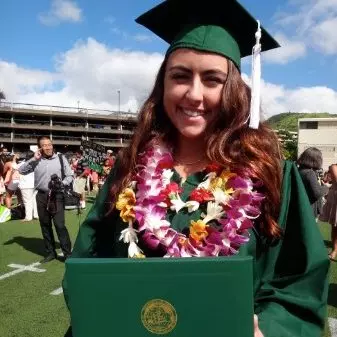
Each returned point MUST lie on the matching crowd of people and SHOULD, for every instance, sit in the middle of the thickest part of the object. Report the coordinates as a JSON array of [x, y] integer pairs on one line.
[[15, 185], [39, 181], [87, 179]]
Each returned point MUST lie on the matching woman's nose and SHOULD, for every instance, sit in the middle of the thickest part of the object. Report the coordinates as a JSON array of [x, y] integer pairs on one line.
[[195, 91]]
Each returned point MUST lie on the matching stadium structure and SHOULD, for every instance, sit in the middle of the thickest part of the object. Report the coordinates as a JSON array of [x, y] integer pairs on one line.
[[21, 124]]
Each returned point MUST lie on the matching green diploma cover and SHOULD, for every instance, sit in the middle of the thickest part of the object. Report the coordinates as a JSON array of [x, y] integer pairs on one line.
[[186, 297]]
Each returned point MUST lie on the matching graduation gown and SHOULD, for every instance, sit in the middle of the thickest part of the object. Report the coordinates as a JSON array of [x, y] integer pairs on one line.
[[290, 276]]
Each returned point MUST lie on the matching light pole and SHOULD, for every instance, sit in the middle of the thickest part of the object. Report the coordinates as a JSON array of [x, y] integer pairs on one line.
[[78, 106], [119, 111], [119, 101]]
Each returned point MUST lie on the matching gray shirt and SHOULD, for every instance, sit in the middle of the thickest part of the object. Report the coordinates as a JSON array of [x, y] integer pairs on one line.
[[44, 168]]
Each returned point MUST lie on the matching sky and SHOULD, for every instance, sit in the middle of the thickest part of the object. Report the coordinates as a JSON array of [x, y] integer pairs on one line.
[[92, 53]]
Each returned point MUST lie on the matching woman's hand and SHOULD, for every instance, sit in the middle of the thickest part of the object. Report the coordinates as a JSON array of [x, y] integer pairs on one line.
[[257, 331]]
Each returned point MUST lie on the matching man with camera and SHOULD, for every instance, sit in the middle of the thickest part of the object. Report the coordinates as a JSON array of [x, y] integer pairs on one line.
[[50, 184]]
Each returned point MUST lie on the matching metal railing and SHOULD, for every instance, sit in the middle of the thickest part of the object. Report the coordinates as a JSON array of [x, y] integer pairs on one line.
[[24, 136], [55, 108], [60, 126]]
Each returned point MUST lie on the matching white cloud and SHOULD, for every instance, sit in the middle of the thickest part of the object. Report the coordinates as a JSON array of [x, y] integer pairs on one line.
[[61, 10], [92, 74], [314, 99], [314, 21], [92, 70], [277, 99], [16, 81], [324, 36], [290, 50]]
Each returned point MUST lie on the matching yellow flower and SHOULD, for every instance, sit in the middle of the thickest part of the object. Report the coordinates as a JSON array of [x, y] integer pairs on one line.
[[216, 183], [198, 230], [226, 175], [221, 181], [229, 191], [125, 203], [139, 256]]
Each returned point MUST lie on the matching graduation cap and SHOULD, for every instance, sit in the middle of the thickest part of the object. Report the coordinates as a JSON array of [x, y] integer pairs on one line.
[[220, 26]]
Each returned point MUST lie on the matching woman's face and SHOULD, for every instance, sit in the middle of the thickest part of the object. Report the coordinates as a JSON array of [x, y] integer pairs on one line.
[[193, 87]]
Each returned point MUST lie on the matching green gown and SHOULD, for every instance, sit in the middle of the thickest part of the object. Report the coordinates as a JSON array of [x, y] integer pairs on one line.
[[290, 276]]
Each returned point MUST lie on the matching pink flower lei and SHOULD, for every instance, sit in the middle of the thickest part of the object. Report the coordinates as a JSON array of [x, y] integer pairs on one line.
[[230, 202]]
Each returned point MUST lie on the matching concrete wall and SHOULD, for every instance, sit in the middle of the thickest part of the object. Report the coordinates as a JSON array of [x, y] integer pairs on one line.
[[324, 138]]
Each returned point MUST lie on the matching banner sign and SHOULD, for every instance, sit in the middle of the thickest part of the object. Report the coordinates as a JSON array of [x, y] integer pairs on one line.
[[94, 154]]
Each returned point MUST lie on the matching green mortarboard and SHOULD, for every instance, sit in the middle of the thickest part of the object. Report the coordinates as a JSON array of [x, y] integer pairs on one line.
[[220, 26]]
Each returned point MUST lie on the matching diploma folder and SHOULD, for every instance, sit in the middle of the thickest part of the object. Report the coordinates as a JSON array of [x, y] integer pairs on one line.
[[185, 297]]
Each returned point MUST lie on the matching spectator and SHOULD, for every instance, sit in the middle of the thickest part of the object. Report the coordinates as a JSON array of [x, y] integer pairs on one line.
[[49, 198], [82, 171], [106, 168], [110, 157], [95, 181], [11, 179], [26, 185], [2, 184], [326, 180], [329, 213], [310, 162]]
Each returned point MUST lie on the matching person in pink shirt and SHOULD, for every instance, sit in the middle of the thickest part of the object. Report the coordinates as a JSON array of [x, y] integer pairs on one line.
[[11, 180]]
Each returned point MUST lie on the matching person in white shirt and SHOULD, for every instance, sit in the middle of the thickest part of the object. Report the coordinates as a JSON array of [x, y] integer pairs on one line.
[[26, 185]]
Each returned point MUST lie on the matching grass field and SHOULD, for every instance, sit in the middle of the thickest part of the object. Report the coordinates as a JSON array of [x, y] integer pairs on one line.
[[27, 307]]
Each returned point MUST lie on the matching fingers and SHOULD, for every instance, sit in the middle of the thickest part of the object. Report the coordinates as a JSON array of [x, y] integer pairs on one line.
[[257, 331], [37, 154], [256, 322]]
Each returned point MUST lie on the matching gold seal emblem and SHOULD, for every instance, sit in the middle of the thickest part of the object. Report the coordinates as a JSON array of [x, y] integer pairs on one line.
[[159, 316]]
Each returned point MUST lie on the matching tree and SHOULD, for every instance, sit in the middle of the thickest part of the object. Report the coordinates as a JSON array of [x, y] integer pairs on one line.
[[289, 144], [2, 95]]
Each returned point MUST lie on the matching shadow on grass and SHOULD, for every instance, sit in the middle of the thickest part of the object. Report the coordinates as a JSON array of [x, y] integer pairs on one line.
[[332, 297], [34, 245]]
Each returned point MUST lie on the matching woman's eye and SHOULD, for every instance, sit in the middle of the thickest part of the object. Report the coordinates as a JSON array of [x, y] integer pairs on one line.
[[215, 80], [179, 76]]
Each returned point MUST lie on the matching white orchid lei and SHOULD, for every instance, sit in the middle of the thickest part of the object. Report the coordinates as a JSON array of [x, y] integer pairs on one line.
[[230, 201]]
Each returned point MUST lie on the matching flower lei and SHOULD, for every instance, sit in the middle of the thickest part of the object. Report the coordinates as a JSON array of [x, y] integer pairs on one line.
[[230, 202]]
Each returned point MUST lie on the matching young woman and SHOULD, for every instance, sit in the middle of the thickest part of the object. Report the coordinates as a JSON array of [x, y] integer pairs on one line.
[[309, 162], [11, 180], [329, 213], [196, 180]]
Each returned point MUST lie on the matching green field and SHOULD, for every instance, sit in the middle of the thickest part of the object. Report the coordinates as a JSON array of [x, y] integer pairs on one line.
[[27, 309]]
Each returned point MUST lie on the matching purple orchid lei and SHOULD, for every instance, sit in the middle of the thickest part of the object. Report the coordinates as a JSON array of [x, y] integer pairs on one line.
[[230, 201]]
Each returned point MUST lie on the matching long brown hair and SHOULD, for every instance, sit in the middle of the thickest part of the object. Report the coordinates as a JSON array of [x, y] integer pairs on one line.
[[231, 143]]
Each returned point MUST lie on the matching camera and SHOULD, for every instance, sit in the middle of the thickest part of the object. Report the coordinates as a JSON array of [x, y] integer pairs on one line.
[[55, 185]]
